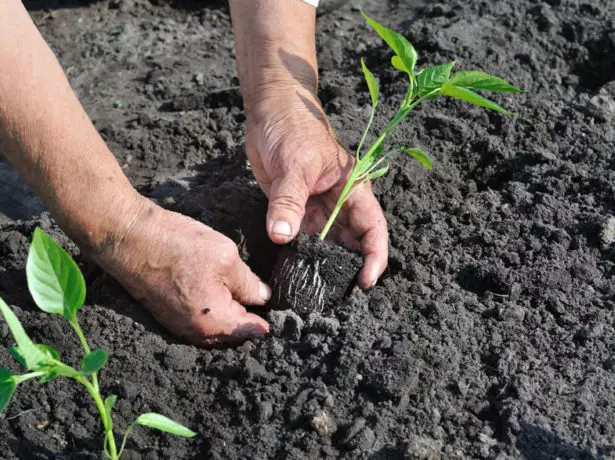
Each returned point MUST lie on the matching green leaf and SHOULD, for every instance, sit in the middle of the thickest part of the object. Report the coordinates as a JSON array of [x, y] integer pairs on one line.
[[372, 84], [7, 387], [49, 351], [402, 47], [109, 403], [48, 377], [14, 352], [398, 63], [94, 361], [419, 155], [474, 79], [54, 279], [451, 90], [30, 355], [379, 172], [432, 78], [162, 423]]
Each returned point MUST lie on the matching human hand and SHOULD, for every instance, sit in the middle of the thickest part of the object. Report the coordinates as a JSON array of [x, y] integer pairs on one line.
[[189, 276], [301, 167]]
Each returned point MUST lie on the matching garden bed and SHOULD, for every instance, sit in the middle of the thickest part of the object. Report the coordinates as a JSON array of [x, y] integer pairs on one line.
[[491, 334]]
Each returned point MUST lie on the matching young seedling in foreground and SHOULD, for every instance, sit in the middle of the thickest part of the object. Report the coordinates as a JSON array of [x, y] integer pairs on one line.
[[424, 85], [57, 286]]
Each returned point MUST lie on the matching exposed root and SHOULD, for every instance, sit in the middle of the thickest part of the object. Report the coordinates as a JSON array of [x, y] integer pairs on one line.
[[303, 278]]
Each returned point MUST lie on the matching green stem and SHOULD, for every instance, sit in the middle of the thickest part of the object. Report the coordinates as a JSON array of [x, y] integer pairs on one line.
[[84, 343], [340, 202], [100, 405], [17, 379], [369, 124], [128, 430]]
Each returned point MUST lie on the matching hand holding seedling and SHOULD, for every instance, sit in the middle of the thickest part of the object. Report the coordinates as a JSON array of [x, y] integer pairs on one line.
[[292, 149], [57, 286], [190, 277], [424, 85]]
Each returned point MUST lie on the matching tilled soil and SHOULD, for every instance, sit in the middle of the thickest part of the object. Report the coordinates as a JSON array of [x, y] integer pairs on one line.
[[490, 336]]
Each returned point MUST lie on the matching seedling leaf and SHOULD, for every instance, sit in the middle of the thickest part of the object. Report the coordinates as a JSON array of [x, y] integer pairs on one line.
[[49, 351], [109, 403], [379, 172], [474, 79], [94, 361], [398, 63], [54, 279], [162, 423], [7, 387], [31, 355], [419, 155], [470, 96], [372, 84], [432, 78], [14, 352], [402, 47], [48, 377]]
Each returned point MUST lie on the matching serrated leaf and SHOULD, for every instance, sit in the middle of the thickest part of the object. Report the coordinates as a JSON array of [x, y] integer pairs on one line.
[[474, 79], [432, 78], [54, 279], [109, 403], [470, 96], [162, 423], [402, 47], [372, 84], [379, 172], [31, 355], [419, 155], [94, 361], [7, 387]]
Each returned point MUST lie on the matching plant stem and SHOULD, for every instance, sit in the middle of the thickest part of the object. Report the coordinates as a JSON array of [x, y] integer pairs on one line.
[[84, 343], [17, 379], [340, 202], [100, 405], [369, 124]]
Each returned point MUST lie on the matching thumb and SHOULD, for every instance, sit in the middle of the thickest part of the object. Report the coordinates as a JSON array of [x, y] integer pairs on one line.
[[287, 199]]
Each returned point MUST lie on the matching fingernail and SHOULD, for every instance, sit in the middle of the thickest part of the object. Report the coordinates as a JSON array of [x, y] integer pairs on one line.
[[374, 279], [264, 291], [280, 227]]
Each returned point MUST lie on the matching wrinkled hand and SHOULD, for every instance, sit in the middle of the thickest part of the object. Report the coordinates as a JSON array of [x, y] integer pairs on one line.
[[301, 167], [189, 276]]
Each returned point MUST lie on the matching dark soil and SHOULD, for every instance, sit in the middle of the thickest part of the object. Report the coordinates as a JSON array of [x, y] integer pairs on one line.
[[492, 333], [311, 275]]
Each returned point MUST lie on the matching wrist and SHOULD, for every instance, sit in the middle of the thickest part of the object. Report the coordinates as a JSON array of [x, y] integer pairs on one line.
[[275, 48]]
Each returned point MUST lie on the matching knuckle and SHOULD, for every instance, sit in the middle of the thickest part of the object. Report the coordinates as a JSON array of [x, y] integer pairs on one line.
[[227, 252], [288, 202]]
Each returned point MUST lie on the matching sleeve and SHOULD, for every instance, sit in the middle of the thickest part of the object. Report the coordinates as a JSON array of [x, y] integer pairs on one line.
[[312, 2]]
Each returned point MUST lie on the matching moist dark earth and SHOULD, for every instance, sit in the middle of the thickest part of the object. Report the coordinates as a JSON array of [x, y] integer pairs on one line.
[[491, 333]]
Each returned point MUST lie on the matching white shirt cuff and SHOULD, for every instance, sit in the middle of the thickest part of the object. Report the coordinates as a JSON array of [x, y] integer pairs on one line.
[[312, 2]]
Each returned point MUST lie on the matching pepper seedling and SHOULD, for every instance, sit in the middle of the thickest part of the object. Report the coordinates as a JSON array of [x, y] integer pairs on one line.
[[57, 286], [426, 84]]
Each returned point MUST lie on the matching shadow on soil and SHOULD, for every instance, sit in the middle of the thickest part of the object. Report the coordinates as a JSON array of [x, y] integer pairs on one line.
[[538, 444]]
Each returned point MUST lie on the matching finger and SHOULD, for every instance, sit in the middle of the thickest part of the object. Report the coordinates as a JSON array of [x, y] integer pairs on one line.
[[368, 224], [225, 320], [245, 286], [287, 200]]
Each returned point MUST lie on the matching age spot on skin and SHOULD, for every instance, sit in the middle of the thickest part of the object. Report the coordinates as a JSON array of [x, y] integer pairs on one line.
[[206, 310]]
